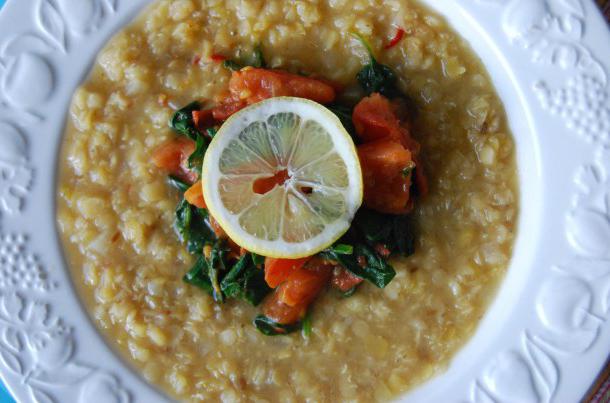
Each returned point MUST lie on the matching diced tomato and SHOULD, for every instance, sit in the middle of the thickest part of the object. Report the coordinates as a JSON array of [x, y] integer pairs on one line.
[[194, 195], [303, 284], [220, 233], [254, 85], [203, 119], [227, 108], [289, 302], [278, 270], [173, 156], [386, 183], [374, 119], [343, 280], [218, 57], [281, 313]]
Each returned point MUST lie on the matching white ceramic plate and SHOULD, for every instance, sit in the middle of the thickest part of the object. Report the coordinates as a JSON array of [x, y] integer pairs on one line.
[[544, 338]]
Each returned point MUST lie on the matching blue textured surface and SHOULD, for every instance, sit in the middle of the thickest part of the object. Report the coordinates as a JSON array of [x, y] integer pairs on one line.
[[4, 396]]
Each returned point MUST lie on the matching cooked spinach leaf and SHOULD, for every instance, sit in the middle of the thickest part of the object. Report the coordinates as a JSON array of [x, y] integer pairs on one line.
[[246, 281], [306, 324], [342, 249], [269, 327], [211, 132], [258, 260], [376, 77], [256, 59], [198, 275], [182, 121], [376, 269], [195, 160], [349, 292], [192, 227], [395, 232], [344, 113], [216, 269], [178, 183]]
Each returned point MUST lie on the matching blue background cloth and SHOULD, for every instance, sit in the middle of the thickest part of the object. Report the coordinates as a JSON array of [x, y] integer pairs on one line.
[[4, 396]]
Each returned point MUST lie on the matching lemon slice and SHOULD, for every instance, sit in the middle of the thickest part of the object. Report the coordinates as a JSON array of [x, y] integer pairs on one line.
[[299, 154]]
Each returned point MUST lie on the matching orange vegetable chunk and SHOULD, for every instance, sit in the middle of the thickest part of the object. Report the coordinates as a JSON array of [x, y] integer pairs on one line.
[[172, 157], [278, 270], [386, 176], [194, 195]]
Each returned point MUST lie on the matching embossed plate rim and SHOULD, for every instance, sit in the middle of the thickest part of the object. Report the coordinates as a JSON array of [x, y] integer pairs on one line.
[[547, 60]]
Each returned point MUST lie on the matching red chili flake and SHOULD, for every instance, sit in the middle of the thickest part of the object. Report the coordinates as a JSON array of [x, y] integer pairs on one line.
[[397, 37], [382, 250], [196, 59], [218, 58]]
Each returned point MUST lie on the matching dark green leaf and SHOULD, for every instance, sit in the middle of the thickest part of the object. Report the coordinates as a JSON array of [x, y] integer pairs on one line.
[[246, 281], [349, 292], [376, 77], [192, 226], [211, 131], [216, 269], [232, 65], [376, 269], [178, 183], [258, 259], [182, 121], [395, 232], [195, 160], [269, 327], [344, 114], [306, 324], [255, 59], [259, 58], [198, 275], [342, 249]]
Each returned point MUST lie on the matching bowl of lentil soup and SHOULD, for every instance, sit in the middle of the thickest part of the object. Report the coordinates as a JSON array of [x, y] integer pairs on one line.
[[429, 211]]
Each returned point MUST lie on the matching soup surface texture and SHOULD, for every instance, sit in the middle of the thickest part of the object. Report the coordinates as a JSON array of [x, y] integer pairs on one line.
[[115, 209]]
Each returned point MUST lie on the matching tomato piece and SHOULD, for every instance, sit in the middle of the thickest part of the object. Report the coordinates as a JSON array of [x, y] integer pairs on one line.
[[194, 195], [172, 157], [343, 280], [374, 119], [303, 284], [253, 85], [289, 302], [203, 119], [227, 108], [278, 270], [281, 313], [385, 173], [220, 233]]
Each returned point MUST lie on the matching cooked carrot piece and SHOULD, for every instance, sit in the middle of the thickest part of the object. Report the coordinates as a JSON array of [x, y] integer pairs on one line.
[[194, 195], [172, 157], [343, 280], [278, 270], [386, 167]]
